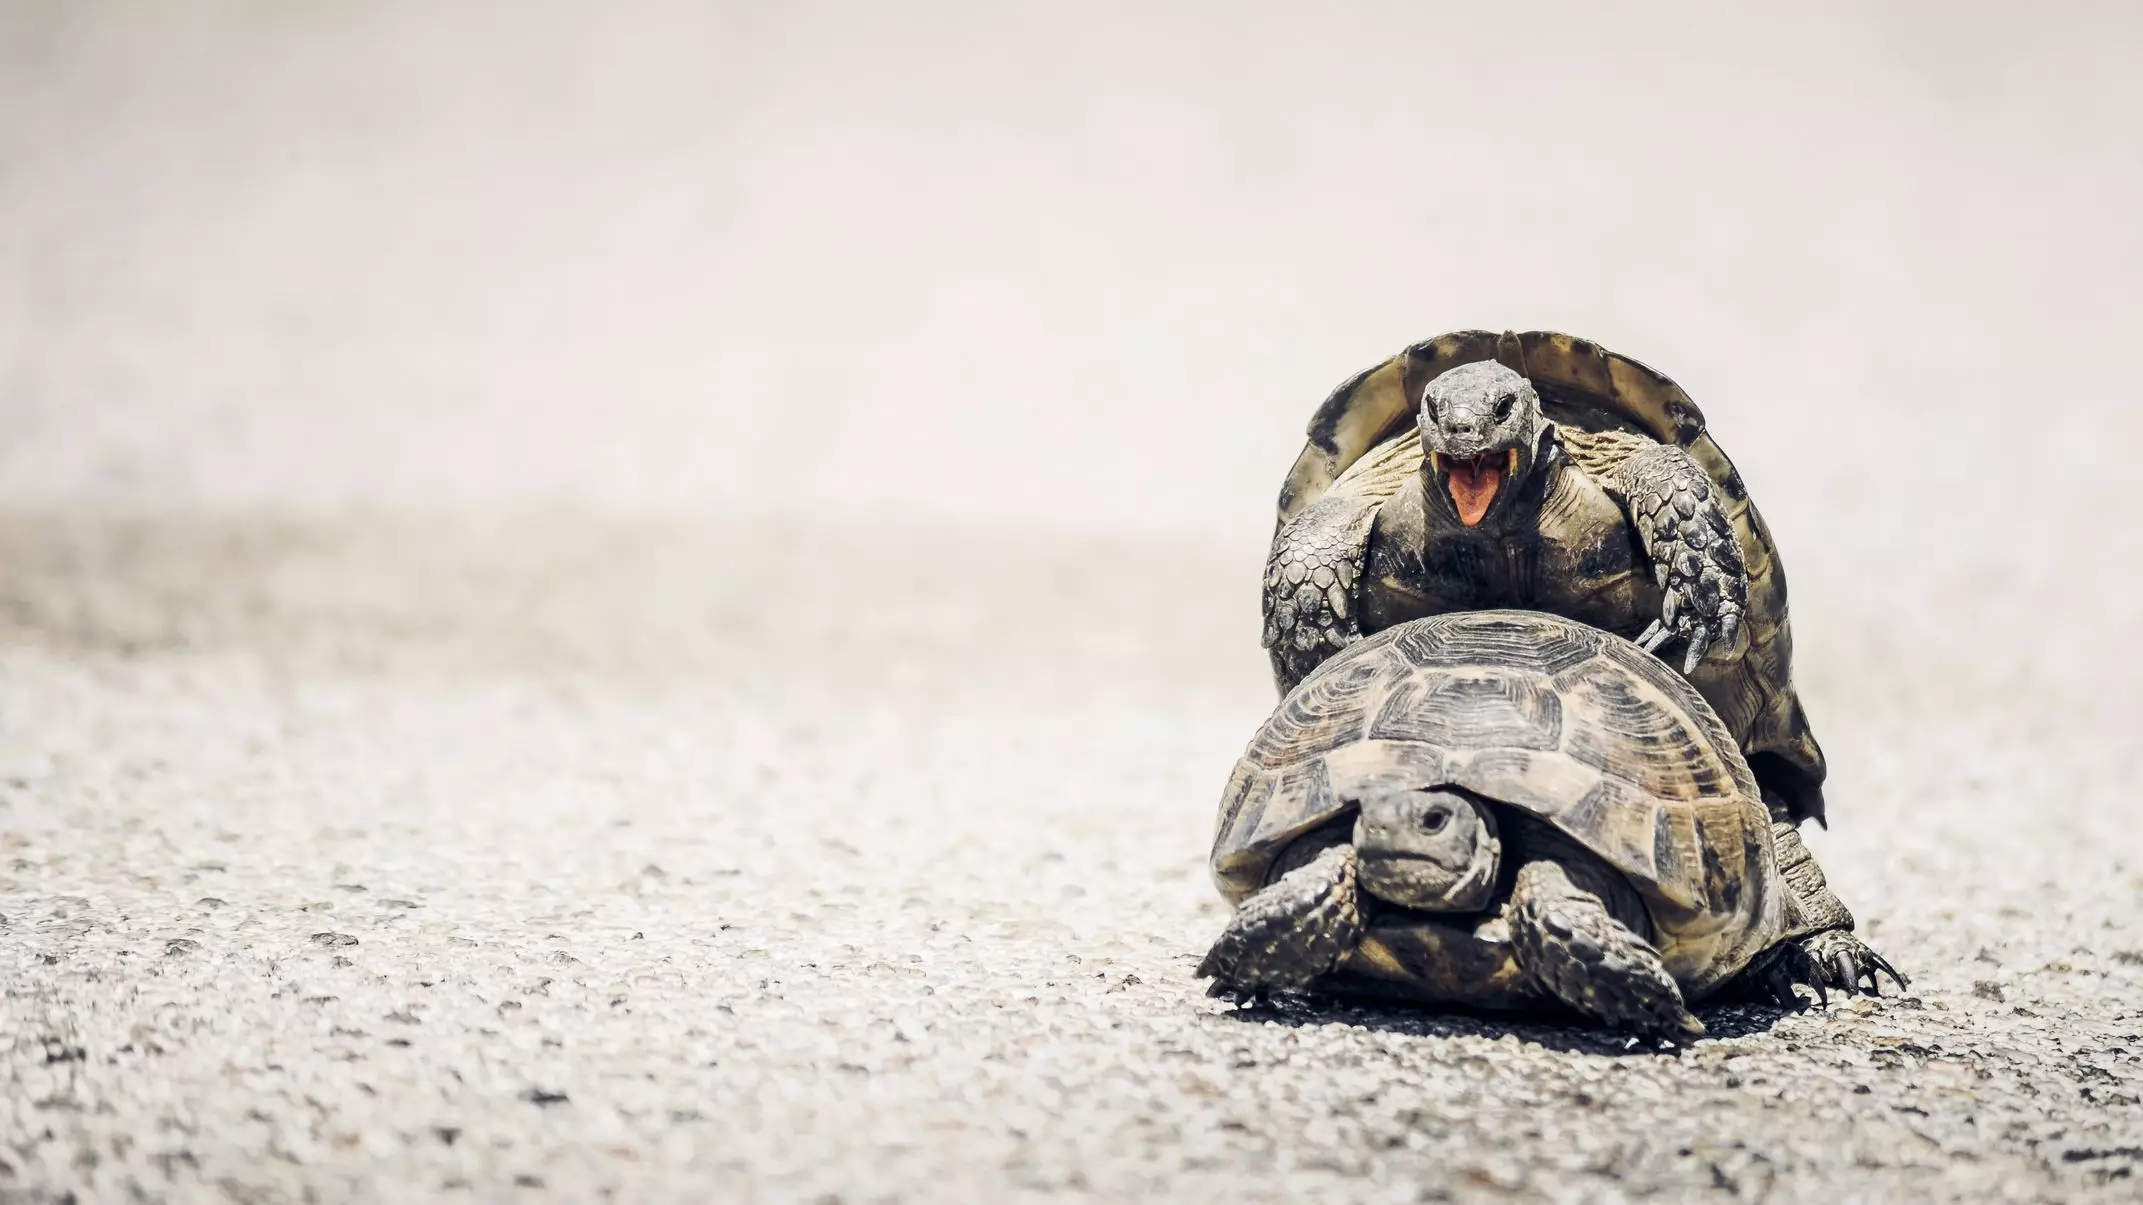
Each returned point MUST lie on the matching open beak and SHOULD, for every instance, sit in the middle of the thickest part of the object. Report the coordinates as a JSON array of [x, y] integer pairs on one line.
[[1474, 481]]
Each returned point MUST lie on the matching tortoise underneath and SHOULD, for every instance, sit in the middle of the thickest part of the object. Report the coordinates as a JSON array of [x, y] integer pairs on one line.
[[1504, 808]]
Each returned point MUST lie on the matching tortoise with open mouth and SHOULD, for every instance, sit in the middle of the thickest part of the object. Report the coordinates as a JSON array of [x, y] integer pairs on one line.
[[1541, 471], [1502, 808]]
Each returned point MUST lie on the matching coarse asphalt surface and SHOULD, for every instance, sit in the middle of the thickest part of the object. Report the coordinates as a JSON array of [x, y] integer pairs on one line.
[[533, 857], [422, 778]]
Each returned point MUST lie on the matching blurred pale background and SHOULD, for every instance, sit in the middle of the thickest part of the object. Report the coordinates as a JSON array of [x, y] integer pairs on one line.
[[1083, 266], [788, 482]]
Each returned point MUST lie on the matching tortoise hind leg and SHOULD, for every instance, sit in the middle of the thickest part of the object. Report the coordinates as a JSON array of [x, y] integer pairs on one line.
[[1569, 942], [1831, 952], [1291, 932]]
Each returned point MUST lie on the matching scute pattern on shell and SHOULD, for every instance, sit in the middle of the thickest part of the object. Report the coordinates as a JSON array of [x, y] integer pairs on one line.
[[1575, 725], [1600, 452], [1651, 670], [1327, 709], [1463, 710], [1507, 639], [1630, 742], [1608, 409]]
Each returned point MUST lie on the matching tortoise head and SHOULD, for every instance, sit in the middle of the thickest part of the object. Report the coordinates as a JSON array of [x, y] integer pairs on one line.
[[1434, 849], [1480, 434]]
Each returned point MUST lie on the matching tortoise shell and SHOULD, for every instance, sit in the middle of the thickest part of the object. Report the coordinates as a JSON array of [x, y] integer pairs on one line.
[[1602, 400], [1582, 385], [1576, 726]]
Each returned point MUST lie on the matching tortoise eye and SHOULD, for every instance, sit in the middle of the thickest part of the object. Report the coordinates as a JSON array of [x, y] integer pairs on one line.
[[1507, 403], [1434, 819]]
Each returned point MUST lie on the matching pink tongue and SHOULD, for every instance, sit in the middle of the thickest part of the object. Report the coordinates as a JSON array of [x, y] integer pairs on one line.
[[1473, 486]]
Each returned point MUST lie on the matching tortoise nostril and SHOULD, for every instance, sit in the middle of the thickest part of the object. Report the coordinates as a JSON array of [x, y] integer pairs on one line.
[[1434, 819]]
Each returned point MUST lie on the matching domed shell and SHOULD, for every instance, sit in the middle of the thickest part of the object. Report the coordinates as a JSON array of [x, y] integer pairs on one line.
[[1580, 382], [1572, 724], [1365, 424]]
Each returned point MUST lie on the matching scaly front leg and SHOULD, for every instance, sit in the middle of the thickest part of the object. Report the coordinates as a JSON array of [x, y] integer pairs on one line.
[[1695, 557], [1310, 577], [1292, 932]]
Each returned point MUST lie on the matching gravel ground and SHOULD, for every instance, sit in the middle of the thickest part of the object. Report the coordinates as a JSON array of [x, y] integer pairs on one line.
[[378, 858], [422, 777]]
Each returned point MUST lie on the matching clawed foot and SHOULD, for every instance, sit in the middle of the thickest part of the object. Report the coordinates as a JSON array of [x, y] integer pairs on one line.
[[1573, 947], [1847, 961], [1834, 960], [1705, 590], [1698, 633], [1696, 557], [1292, 932]]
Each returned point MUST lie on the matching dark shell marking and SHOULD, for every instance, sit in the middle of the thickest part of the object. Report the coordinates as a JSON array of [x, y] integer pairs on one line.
[[1539, 713], [1584, 384], [1572, 723]]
